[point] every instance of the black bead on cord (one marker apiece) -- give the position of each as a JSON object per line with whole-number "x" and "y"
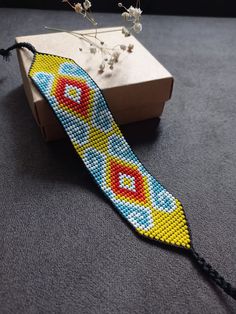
{"x": 6, "y": 53}
{"x": 204, "y": 266}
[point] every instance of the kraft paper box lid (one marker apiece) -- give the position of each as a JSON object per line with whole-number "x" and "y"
{"x": 135, "y": 90}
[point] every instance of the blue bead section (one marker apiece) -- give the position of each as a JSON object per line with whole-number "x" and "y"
{"x": 44, "y": 81}
{"x": 95, "y": 162}
{"x": 160, "y": 197}
{"x": 77, "y": 129}
{"x": 118, "y": 147}
{"x": 139, "y": 216}
{"x": 78, "y": 132}
{"x": 70, "y": 69}
{"x": 102, "y": 118}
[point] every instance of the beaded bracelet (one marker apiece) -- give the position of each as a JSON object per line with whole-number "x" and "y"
{"x": 82, "y": 110}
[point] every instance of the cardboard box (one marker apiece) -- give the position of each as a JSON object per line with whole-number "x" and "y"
{"x": 135, "y": 90}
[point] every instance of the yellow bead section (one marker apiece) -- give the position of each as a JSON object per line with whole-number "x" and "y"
{"x": 170, "y": 228}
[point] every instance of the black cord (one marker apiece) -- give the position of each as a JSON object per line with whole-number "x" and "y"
{"x": 6, "y": 53}
{"x": 213, "y": 274}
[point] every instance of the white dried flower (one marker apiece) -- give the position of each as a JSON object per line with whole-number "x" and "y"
{"x": 123, "y": 47}
{"x": 120, "y": 5}
{"x": 131, "y": 10}
{"x": 137, "y": 12}
{"x": 111, "y": 61}
{"x": 102, "y": 67}
{"x": 125, "y": 32}
{"x": 125, "y": 15}
{"x": 130, "y": 48}
{"x": 133, "y": 15}
{"x": 93, "y": 50}
{"x": 116, "y": 56}
{"x": 78, "y": 7}
{"x": 137, "y": 27}
{"x": 87, "y": 4}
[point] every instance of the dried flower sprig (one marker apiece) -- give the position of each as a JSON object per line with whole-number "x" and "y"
{"x": 84, "y": 9}
{"x": 109, "y": 55}
{"x": 133, "y": 15}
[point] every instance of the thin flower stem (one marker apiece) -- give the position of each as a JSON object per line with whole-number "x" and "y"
{"x": 89, "y": 33}
{"x": 90, "y": 19}
{"x": 78, "y": 35}
{"x": 104, "y": 31}
{"x": 93, "y": 36}
{"x": 91, "y": 14}
{"x": 138, "y": 4}
{"x": 82, "y": 36}
{"x": 126, "y": 9}
{"x": 70, "y": 4}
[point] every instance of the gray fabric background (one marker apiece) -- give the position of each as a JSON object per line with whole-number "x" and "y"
{"x": 63, "y": 248}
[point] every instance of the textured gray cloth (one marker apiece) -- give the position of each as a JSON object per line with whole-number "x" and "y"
{"x": 63, "y": 248}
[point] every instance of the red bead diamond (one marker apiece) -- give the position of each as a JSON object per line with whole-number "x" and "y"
{"x": 136, "y": 190}
{"x": 80, "y": 96}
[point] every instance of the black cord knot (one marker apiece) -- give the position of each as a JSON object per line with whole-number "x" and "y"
{"x": 5, "y": 53}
